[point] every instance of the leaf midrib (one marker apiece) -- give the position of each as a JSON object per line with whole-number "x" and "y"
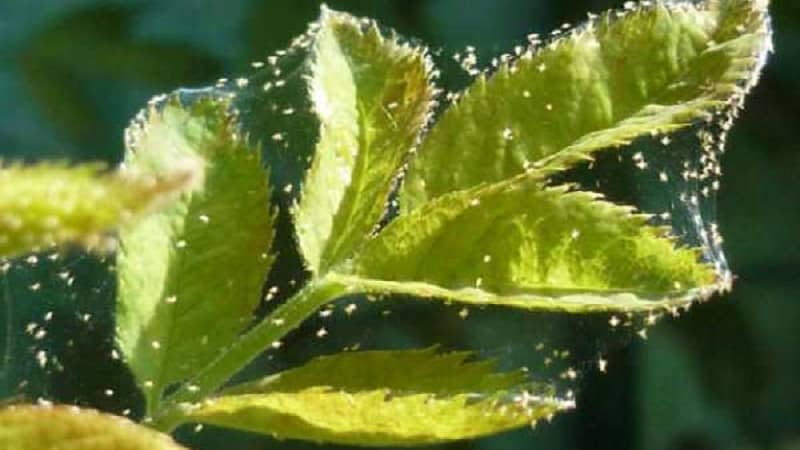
{"x": 334, "y": 256}
{"x": 540, "y": 291}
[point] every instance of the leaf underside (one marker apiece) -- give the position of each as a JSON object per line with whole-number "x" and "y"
{"x": 50, "y": 204}
{"x": 391, "y": 398}
{"x": 372, "y": 96}
{"x": 190, "y": 277}
{"x": 71, "y": 428}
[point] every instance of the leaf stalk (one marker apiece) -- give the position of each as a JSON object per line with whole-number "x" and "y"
{"x": 265, "y": 334}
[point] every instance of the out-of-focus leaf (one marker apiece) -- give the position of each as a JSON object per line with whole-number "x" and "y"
{"x": 99, "y": 42}
{"x": 72, "y": 428}
{"x": 61, "y": 97}
{"x": 410, "y": 397}
{"x": 50, "y": 204}
{"x": 517, "y": 244}
{"x": 63, "y": 58}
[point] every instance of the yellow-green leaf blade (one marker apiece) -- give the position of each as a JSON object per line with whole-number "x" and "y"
{"x": 522, "y": 245}
{"x": 372, "y": 95}
{"x": 191, "y": 276}
{"x": 71, "y": 428}
{"x": 49, "y": 204}
{"x": 646, "y": 71}
{"x": 394, "y": 398}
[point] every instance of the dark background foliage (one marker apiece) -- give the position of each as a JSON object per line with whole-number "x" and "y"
{"x": 725, "y": 376}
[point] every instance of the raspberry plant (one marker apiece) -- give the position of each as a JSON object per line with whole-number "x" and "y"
{"x": 462, "y": 204}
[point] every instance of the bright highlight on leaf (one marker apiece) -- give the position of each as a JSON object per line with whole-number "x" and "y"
{"x": 72, "y": 428}
{"x": 410, "y": 397}
{"x": 49, "y": 204}
{"x": 190, "y": 277}
{"x": 372, "y": 95}
{"x": 518, "y": 244}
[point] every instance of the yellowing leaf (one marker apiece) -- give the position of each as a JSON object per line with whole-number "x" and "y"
{"x": 190, "y": 277}
{"x": 409, "y": 397}
{"x": 372, "y": 95}
{"x": 72, "y": 428}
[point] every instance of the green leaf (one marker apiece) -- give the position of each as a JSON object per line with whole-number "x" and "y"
{"x": 646, "y": 71}
{"x": 51, "y": 204}
{"x": 71, "y": 428}
{"x": 372, "y": 95}
{"x": 409, "y": 397}
{"x": 519, "y": 244}
{"x": 190, "y": 277}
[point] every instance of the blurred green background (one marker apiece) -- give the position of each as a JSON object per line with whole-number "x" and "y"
{"x": 725, "y": 376}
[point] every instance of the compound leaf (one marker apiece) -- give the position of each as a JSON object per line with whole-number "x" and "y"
{"x": 409, "y": 397}
{"x": 71, "y": 428}
{"x": 372, "y": 96}
{"x": 520, "y": 244}
{"x": 190, "y": 277}
{"x": 648, "y": 70}
{"x": 49, "y": 204}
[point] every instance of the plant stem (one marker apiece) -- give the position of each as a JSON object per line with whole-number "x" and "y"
{"x": 284, "y": 319}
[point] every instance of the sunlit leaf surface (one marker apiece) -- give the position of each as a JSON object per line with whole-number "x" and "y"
{"x": 410, "y": 397}
{"x": 371, "y": 94}
{"x": 645, "y": 71}
{"x": 524, "y": 246}
{"x": 190, "y": 277}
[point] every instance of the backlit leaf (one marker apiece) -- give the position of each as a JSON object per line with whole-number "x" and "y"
{"x": 371, "y": 94}
{"x": 408, "y": 397}
{"x": 645, "y": 71}
{"x": 51, "y": 204}
{"x": 190, "y": 277}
